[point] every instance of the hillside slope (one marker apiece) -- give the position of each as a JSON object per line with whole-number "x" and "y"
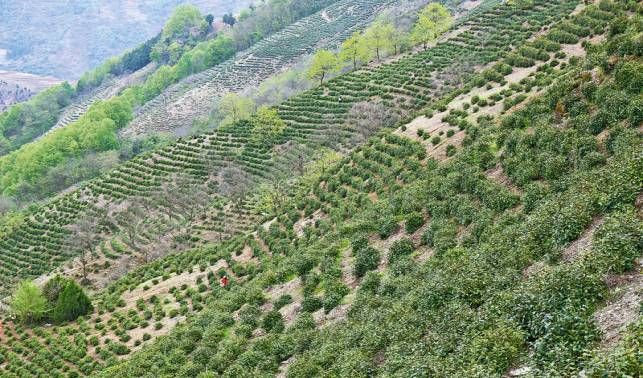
{"x": 229, "y": 151}
{"x": 471, "y": 245}
{"x": 192, "y": 97}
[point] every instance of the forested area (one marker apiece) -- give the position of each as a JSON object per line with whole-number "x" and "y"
{"x": 93, "y": 132}
{"x": 25, "y": 121}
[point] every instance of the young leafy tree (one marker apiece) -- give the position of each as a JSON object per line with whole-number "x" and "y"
{"x": 396, "y": 37}
{"x": 377, "y": 38}
{"x": 184, "y": 17}
{"x": 268, "y": 127}
{"x": 432, "y": 21}
{"x": 27, "y": 297}
{"x": 354, "y": 50}
{"x": 324, "y": 63}
{"x": 72, "y": 303}
{"x": 235, "y": 107}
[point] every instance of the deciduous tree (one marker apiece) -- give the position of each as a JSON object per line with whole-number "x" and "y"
{"x": 354, "y": 50}
{"x": 377, "y": 38}
{"x": 27, "y": 297}
{"x": 268, "y": 127}
{"x": 431, "y": 23}
{"x": 324, "y": 63}
{"x": 235, "y": 107}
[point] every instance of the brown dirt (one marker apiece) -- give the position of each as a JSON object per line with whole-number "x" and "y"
{"x": 163, "y": 287}
{"x": 621, "y": 308}
{"x": 581, "y": 246}
{"x": 498, "y": 175}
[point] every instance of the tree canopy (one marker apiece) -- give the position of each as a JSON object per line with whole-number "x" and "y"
{"x": 354, "y": 50}
{"x": 432, "y": 21}
{"x": 184, "y": 17}
{"x": 324, "y": 63}
{"x": 27, "y": 298}
{"x": 268, "y": 127}
{"x": 72, "y": 303}
{"x": 235, "y": 107}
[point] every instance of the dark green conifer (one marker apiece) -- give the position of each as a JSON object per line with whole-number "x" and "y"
{"x": 72, "y": 303}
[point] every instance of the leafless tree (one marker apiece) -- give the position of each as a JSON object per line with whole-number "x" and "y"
{"x": 236, "y": 185}
{"x": 295, "y": 158}
{"x": 130, "y": 219}
{"x": 483, "y": 37}
{"x": 368, "y": 118}
{"x": 85, "y": 234}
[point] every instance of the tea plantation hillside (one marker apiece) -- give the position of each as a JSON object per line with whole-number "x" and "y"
{"x": 251, "y": 67}
{"x": 35, "y": 243}
{"x": 418, "y": 253}
{"x": 391, "y": 264}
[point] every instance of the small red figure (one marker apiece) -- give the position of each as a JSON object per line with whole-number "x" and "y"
{"x": 224, "y": 281}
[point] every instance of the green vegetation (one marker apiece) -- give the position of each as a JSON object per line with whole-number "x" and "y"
{"x": 94, "y": 131}
{"x": 72, "y": 303}
{"x": 431, "y": 268}
{"x": 25, "y": 121}
{"x": 28, "y": 303}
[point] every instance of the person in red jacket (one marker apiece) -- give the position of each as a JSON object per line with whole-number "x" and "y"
{"x": 224, "y": 281}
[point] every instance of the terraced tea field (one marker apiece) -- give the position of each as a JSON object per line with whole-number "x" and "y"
{"x": 270, "y": 56}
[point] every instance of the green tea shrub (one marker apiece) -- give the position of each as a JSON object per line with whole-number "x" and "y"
{"x": 358, "y": 242}
{"x": 519, "y": 60}
{"x": 618, "y": 243}
{"x": 370, "y": 283}
{"x": 532, "y": 194}
{"x": 561, "y": 36}
{"x": 311, "y": 304}
{"x": 414, "y": 221}
{"x": 386, "y": 227}
{"x": 399, "y": 248}
{"x": 273, "y": 322}
{"x": 283, "y": 300}
{"x": 629, "y": 75}
{"x": 249, "y": 315}
{"x": 599, "y": 121}
{"x": 635, "y": 112}
{"x": 304, "y": 322}
{"x": 366, "y": 259}
{"x": 334, "y": 292}
{"x": 533, "y": 53}
{"x": 450, "y": 150}
{"x": 118, "y": 348}
{"x": 545, "y": 44}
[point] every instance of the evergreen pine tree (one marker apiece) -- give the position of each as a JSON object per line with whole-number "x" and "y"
{"x": 72, "y": 303}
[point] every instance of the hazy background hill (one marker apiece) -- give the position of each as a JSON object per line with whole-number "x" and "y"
{"x": 64, "y": 38}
